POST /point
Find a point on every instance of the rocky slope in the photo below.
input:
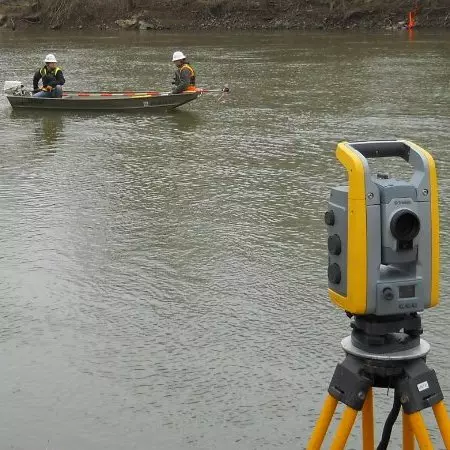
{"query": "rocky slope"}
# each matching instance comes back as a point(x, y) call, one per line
point(225, 14)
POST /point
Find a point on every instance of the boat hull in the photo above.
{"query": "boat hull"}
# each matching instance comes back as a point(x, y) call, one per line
point(96, 101)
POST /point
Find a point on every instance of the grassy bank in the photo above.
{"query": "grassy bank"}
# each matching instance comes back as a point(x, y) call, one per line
point(229, 14)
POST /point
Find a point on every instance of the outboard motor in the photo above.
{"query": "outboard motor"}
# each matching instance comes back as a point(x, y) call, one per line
point(15, 88)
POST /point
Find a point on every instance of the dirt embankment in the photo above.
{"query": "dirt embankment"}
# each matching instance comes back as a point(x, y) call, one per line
point(223, 14)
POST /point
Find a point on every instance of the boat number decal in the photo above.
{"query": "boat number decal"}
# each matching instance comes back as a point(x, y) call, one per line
point(145, 103)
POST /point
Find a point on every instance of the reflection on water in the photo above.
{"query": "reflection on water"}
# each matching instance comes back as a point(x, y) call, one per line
point(163, 276)
point(51, 129)
point(48, 126)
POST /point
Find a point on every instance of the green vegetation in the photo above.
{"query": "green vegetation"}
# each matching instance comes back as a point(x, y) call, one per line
point(179, 14)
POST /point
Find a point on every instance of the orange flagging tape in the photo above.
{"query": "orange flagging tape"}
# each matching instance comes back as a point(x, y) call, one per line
point(411, 20)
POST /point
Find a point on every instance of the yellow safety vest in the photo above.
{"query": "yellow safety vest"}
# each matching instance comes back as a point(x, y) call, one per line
point(44, 71)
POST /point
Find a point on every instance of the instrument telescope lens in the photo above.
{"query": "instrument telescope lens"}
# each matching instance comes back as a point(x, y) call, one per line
point(405, 225)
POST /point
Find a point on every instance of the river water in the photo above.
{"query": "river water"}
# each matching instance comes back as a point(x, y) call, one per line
point(163, 277)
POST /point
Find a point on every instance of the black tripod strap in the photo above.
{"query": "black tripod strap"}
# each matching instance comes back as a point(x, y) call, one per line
point(392, 417)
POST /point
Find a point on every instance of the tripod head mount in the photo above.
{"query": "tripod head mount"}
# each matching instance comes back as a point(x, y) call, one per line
point(386, 334)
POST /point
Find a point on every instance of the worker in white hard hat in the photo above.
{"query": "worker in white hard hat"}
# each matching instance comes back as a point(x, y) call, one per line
point(52, 79)
point(184, 79)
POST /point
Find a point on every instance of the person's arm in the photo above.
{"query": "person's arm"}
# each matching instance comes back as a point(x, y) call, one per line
point(185, 78)
point(37, 76)
point(176, 78)
point(60, 78)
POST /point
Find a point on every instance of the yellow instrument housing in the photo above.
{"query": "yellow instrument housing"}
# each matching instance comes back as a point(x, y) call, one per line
point(356, 299)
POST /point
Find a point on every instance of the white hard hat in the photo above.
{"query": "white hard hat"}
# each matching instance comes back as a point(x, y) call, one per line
point(177, 56)
point(50, 58)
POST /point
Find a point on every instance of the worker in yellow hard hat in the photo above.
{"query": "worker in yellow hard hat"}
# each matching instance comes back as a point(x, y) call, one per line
point(184, 79)
point(52, 79)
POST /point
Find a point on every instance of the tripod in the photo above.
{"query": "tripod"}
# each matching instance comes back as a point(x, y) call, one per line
point(377, 356)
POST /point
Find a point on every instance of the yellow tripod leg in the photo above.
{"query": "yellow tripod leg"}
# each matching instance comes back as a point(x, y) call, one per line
point(344, 429)
point(367, 422)
point(322, 424)
point(408, 435)
point(443, 422)
point(420, 431)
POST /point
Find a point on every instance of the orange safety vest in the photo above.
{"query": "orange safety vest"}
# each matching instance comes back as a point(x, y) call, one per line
point(191, 86)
